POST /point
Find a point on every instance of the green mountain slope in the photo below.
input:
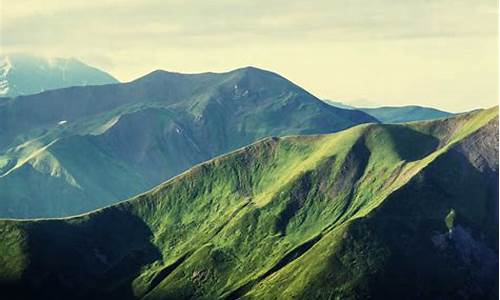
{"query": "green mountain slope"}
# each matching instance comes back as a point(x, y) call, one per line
point(83, 148)
point(349, 215)
point(398, 114)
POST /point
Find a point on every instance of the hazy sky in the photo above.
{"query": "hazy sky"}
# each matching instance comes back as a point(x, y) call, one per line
point(442, 53)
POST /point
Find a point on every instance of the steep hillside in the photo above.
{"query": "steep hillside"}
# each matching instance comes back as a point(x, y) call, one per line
point(83, 148)
point(22, 74)
point(351, 215)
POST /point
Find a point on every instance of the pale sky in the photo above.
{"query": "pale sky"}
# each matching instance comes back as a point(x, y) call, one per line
point(440, 53)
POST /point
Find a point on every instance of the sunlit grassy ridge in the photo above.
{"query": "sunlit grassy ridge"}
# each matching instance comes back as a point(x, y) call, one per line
point(363, 212)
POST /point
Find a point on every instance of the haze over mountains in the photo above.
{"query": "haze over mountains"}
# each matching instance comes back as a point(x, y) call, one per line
point(82, 148)
point(397, 114)
point(243, 184)
point(355, 214)
point(24, 74)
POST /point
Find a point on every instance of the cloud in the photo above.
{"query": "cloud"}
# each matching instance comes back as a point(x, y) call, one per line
point(305, 39)
point(94, 22)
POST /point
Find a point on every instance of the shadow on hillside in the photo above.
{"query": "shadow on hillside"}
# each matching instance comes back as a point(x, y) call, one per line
point(86, 258)
point(410, 144)
point(428, 260)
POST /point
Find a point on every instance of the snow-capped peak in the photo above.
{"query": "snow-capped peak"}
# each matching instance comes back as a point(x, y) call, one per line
point(5, 67)
point(24, 74)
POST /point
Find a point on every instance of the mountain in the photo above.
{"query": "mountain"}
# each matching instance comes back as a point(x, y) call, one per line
point(339, 104)
point(357, 214)
point(22, 74)
point(82, 148)
point(398, 114)
point(401, 114)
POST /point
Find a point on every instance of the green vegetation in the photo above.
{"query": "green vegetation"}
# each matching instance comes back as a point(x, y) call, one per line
point(84, 148)
point(360, 213)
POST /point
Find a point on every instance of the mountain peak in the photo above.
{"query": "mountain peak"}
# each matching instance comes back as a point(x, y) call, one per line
point(160, 73)
point(254, 71)
point(251, 69)
point(24, 74)
point(248, 77)
point(22, 58)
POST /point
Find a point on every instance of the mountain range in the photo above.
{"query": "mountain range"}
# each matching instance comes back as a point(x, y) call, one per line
point(24, 74)
point(397, 114)
point(356, 214)
point(71, 150)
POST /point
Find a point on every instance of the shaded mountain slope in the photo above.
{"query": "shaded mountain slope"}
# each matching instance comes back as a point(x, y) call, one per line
point(82, 148)
point(347, 215)
point(23, 74)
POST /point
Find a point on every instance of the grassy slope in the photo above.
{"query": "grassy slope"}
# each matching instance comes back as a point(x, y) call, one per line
point(123, 139)
point(406, 247)
point(343, 215)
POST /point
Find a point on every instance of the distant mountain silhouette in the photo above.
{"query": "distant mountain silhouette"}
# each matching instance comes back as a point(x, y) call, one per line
point(22, 74)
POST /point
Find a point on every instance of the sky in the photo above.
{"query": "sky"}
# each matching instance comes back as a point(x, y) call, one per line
point(440, 53)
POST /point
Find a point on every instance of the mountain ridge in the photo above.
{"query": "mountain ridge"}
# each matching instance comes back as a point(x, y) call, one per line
point(397, 114)
point(263, 221)
point(148, 130)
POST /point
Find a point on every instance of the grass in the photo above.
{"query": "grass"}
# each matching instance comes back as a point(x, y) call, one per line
point(346, 215)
